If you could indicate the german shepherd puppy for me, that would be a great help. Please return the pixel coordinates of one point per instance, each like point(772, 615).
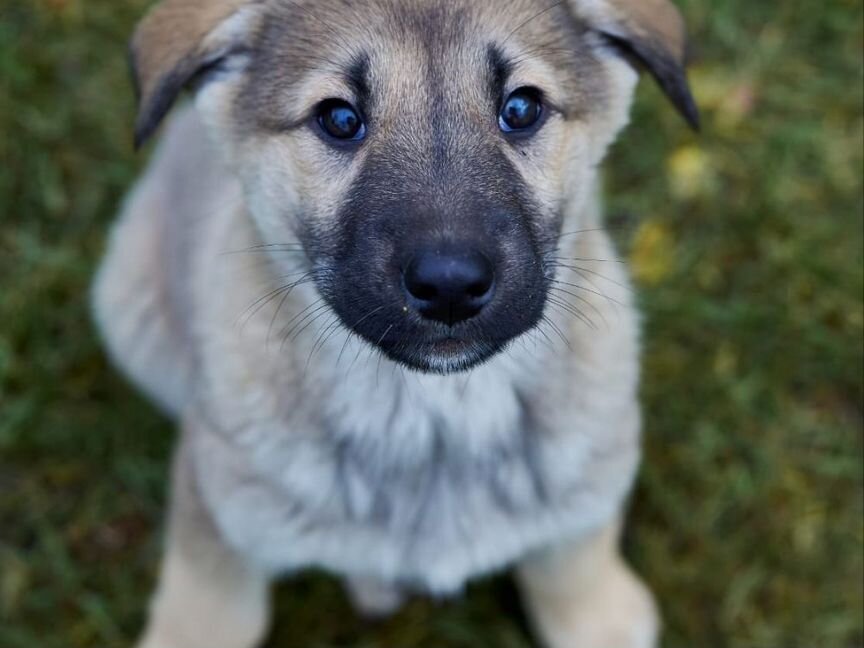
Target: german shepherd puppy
point(366, 273)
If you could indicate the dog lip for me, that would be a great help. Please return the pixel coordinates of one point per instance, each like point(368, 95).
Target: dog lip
point(450, 345)
point(444, 344)
point(445, 356)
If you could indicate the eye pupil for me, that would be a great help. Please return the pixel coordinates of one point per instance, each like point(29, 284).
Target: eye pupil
point(340, 120)
point(521, 111)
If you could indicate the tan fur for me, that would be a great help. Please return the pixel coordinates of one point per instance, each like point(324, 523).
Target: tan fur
point(208, 596)
point(656, 21)
point(659, 20)
point(171, 41)
point(425, 480)
point(172, 34)
point(577, 595)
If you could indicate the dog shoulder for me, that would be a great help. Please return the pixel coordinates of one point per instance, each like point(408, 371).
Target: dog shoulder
point(141, 297)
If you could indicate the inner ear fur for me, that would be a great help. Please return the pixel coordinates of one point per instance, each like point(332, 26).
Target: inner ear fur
point(652, 32)
point(173, 45)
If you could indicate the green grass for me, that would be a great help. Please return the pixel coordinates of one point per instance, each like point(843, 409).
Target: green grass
point(747, 243)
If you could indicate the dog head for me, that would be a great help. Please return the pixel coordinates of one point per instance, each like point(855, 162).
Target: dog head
point(425, 153)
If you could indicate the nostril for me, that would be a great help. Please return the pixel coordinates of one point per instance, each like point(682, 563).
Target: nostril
point(479, 288)
point(418, 282)
point(424, 291)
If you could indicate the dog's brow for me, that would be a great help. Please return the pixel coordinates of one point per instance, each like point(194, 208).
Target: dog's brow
point(500, 70)
point(357, 78)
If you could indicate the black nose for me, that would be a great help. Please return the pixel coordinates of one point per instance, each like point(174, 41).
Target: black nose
point(449, 285)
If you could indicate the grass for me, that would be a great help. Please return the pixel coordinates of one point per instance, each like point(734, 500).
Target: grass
point(747, 245)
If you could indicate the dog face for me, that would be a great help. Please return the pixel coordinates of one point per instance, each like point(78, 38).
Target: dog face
point(426, 163)
point(424, 153)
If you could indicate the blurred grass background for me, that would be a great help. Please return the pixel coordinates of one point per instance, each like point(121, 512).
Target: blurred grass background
point(746, 243)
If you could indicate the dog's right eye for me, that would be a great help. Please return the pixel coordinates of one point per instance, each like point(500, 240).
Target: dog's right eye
point(340, 120)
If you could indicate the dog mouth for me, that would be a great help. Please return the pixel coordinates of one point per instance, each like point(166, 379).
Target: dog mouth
point(443, 355)
point(430, 347)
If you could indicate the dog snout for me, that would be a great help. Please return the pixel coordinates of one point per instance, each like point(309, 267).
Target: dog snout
point(449, 284)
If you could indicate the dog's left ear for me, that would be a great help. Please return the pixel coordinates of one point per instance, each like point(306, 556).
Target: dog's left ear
point(653, 32)
point(177, 43)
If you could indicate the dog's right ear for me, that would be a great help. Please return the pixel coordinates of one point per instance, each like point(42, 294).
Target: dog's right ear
point(177, 43)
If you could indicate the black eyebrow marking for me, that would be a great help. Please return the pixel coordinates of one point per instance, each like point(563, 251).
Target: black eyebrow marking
point(357, 77)
point(500, 70)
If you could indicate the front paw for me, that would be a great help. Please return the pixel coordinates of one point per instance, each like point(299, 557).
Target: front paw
point(166, 638)
point(186, 627)
point(374, 599)
point(619, 613)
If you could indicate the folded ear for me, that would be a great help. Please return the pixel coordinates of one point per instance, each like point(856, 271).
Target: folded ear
point(175, 44)
point(653, 32)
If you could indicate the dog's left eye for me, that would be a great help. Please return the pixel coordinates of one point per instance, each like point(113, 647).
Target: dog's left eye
point(340, 120)
point(521, 111)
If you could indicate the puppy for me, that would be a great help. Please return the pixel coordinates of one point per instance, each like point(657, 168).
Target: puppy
point(366, 273)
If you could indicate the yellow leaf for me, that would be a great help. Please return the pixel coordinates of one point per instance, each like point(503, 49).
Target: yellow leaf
point(653, 253)
point(710, 85)
point(691, 172)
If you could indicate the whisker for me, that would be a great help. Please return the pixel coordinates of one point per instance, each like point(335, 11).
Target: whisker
point(535, 337)
point(271, 247)
point(568, 308)
point(614, 303)
point(298, 319)
point(586, 260)
point(360, 348)
point(537, 52)
point(464, 388)
point(274, 318)
point(530, 20)
point(353, 326)
point(583, 300)
point(378, 366)
point(605, 228)
point(250, 312)
point(322, 338)
point(558, 331)
point(611, 300)
point(579, 270)
point(540, 330)
point(524, 339)
point(381, 353)
point(320, 312)
point(332, 328)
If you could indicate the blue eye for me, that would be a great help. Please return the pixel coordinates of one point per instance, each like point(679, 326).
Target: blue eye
point(340, 120)
point(520, 111)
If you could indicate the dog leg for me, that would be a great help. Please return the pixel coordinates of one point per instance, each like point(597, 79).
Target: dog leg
point(373, 598)
point(207, 596)
point(585, 596)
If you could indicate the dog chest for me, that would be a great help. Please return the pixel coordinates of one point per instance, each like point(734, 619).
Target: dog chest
point(441, 482)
